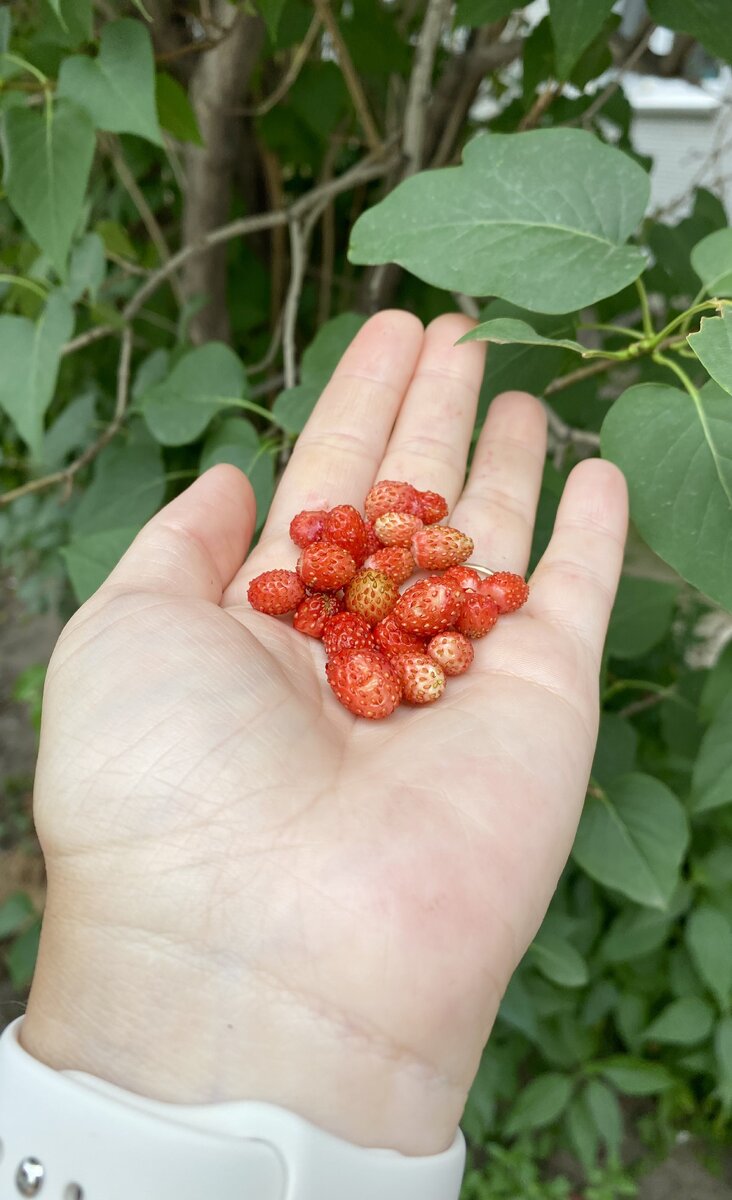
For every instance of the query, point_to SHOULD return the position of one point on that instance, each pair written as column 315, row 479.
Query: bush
column 200, row 206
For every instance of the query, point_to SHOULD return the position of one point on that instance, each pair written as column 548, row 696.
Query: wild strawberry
column 394, row 561
column 346, row 631
column 371, row 594
column 479, row 615
column 364, row 682
column 391, row 639
column 389, row 496
column 396, row 529
column 372, row 542
column 422, row 679
column 307, row 527
column 508, row 590
column 439, row 547
column 465, row 577
column 276, row 592
column 345, row 526
column 452, row 651
column 429, row 606
column 314, row 611
column 325, row 566
column 432, row 507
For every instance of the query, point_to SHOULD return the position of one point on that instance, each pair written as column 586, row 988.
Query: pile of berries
column 384, row 647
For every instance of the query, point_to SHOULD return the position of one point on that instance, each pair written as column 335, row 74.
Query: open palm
column 253, row 894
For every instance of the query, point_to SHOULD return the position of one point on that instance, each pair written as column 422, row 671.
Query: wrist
column 157, row 1019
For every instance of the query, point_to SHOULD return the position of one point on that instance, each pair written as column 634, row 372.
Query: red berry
column 429, row 606
column 452, row 651
column 464, row 577
column 326, row 567
column 364, row 682
column 372, row 542
column 394, row 561
column 372, row 594
column 396, row 529
column 422, row 679
column 439, row 547
column 432, row 507
column 307, row 527
column 508, row 590
column 479, row 615
column 346, row 631
column 389, row 496
column 391, row 639
column 345, row 526
column 276, row 592
column 314, row 611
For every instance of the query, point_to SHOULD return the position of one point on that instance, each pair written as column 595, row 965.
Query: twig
column 289, row 314
column 637, row 706
column 597, row 368
column 420, row 85
column 466, row 304
column 543, row 101
column 353, row 83
column 566, row 434
column 67, row 474
column 299, row 59
column 86, row 339
column 147, row 216
column 608, row 92
column 460, row 85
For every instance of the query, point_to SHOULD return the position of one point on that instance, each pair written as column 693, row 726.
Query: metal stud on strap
column 29, row 1177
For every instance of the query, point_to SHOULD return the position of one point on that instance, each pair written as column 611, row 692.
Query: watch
column 66, row 1135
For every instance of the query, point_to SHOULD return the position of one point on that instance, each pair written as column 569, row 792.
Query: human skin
column 253, row 894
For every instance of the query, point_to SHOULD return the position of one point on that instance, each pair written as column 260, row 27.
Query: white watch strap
column 95, row 1141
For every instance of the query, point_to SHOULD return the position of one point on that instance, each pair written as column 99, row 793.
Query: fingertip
column 597, row 494
column 526, row 413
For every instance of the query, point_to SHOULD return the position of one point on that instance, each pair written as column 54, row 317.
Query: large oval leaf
column 540, row 1103
column 538, row 218
column 712, row 781
column 677, row 458
column 203, row 382
column 117, row 88
column 632, row 838
column 711, row 258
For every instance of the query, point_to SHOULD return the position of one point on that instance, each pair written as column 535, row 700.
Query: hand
column 253, row 895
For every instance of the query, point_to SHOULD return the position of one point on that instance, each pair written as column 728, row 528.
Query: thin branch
column 86, row 339
column 299, row 59
column 597, row 368
column 420, row 84
column 608, row 92
column 147, row 216
column 566, row 434
column 289, row 315
column 543, row 102
column 460, row 85
column 353, row 83
column 466, row 304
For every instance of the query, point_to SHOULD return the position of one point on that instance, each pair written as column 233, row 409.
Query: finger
column 498, row 506
column 574, row 585
column 337, row 454
column 196, row 544
column 430, row 443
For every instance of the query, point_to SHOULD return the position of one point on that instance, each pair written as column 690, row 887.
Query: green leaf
column 712, row 345
column 6, row 25
column 634, row 1076
column 606, row 1114
column 723, row 1056
column 706, row 20
column 127, row 488
column 271, row 11
column 539, row 1104
column 677, row 459
column 14, row 913
column 708, row 938
column 518, row 1009
column 22, row 955
column 294, row 405
column 557, row 958
column 236, row 441
column 633, row 839
column 90, row 557
column 73, row 428
column 86, row 268
column 574, row 25
column 484, row 12
column 28, row 690
column 506, row 332
column 30, row 354
column 641, row 616
column 717, row 685
column 116, row 240
column 117, row 88
column 508, row 223
column 617, row 744
column 712, row 779
column 683, row 1022
column 48, row 156
column 635, row 933
column 581, row 1132
column 711, row 258
column 203, row 382
column 175, row 111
